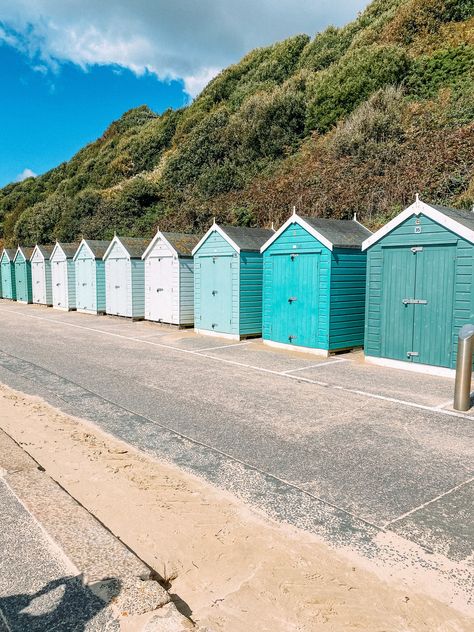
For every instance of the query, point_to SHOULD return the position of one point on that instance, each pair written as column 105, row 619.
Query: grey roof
column 466, row 218
column 69, row 249
column 248, row 238
column 342, row 233
column 11, row 252
column 135, row 246
column 27, row 252
column 183, row 243
column 46, row 251
column 98, row 247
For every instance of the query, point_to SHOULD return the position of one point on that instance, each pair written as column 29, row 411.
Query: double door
column 417, row 305
column 38, row 282
column 86, row 289
column 295, row 299
column 119, row 303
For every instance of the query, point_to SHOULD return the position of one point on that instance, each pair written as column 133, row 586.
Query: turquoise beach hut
column 420, row 288
column 125, row 277
column 24, row 292
column 90, row 276
column 228, row 281
column 41, row 275
column 8, row 274
column 314, row 285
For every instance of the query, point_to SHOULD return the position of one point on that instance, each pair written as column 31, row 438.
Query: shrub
column 337, row 91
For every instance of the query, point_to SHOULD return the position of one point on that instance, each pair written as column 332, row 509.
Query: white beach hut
column 125, row 277
column 169, row 278
column 63, row 277
column 41, row 275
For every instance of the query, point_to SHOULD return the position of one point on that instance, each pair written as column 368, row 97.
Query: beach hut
column 125, row 277
column 63, row 276
column 169, row 278
column 24, row 293
column 420, row 271
column 8, row 273
column 41, row 275
column 90, row 276
column 228, row 281
column 314, row 285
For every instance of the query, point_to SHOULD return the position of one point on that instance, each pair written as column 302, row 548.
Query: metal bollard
column 462, row 384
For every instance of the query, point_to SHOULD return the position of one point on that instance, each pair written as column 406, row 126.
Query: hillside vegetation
column 356, row 119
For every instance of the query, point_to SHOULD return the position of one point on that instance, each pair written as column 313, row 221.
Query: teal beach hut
column 314, row 285
column 125, row 277
column 228, row 280
column 420, row 272
column 24, row 292
column 41, row 275
column 8, row 274
column 90, row 276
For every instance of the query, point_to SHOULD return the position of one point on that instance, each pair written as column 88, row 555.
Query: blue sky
column 47, row 116
column 68, row 68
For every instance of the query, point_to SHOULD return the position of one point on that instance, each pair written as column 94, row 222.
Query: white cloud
column 26, row 173
column 186, row 39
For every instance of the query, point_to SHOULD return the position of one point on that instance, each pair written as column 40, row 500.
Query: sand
column 228, row 567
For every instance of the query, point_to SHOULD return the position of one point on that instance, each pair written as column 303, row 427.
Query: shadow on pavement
column 64, row 604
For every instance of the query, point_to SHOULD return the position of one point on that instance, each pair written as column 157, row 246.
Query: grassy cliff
column 356, row 119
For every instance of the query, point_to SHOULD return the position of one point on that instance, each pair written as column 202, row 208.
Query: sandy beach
column 227, row 566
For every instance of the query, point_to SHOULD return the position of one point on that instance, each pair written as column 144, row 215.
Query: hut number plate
column 417, row 229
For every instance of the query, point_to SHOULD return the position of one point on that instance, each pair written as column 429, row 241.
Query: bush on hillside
column 337, row 91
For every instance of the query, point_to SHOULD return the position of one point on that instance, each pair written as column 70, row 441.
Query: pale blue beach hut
column 90, row 276
column 228, row 275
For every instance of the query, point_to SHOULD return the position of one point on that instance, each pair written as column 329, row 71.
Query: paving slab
column 413, row 387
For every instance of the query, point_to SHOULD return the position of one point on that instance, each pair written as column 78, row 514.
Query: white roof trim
column 4, row 252
column 159, row 235
column 415, row 209
column 57, row 246
column 83, row 243
column 115, row 240
column 216, row 228
column 35, row 250
column 20, row 249
column 296, row 219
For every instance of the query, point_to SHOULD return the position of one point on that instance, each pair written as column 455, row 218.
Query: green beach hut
column 8, row 274
column 420, row 272
column 24, row 288
column 228, row 274
column 90, row 276
column 314, row 285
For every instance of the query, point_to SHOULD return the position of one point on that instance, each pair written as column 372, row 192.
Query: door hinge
column 412, row 354
column 414, row 301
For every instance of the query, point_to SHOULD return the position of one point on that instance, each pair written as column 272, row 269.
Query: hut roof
column 183, row 243
column 342, row 233
column 97, row 247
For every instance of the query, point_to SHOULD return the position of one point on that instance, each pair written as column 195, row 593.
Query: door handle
column 214, row 292
column 159, row 289
column 292, row 299
column 414, row 301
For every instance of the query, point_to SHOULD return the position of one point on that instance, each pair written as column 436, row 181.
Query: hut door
column 295, row 291
column 60, row 283
column 38, row 282
column 418, row 284
column 216, row 293
column 160, row 288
